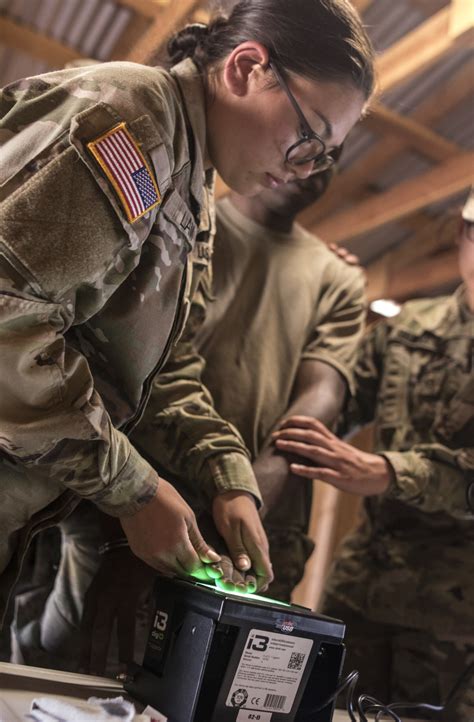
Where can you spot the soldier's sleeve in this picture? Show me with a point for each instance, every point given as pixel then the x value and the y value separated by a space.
pixel 434 478
pixel 368 370
pixel 53 423
pixel 181 431
pixel 336 334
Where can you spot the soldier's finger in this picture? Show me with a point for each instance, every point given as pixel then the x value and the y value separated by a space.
pixel 261 563
pixel 317 454
pixel 307 436
pixel 330 476
pixel 309 472
pixel 237 549
pixel 251 582
pixel 307 422
pixel 204 550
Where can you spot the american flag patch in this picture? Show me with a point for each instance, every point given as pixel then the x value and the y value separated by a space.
pixel 126 168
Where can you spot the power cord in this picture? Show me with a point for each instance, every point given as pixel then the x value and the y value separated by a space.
pixel 365 704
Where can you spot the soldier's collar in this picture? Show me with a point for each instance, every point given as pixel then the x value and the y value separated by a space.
pixel 191 86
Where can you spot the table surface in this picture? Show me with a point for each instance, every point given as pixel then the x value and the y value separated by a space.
pixel 19 685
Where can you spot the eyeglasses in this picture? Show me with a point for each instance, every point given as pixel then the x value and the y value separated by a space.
pixel 310 147
pixel 468 229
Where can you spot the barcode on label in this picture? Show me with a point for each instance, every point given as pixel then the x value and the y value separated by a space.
pixel 275 701
pixel 296 660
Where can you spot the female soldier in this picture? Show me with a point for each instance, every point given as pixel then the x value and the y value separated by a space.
pixel 106 202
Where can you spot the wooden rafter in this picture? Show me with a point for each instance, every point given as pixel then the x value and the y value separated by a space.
pixel 461 18
pixel 147 8
pixel 417 279
pixel 441 182
pixel 20 37
pixel 162 27
pixel 135 29
pixel 416 135
pixel 440 34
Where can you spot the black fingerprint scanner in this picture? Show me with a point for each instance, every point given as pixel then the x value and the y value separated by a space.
pixel 214 656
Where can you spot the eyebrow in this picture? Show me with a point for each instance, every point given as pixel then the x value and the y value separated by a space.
pixel 327 125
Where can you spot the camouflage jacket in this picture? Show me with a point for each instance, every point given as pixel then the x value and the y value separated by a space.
pixel 411 562
pixel 94 288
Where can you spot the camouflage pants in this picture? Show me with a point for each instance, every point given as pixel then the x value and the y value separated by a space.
pixel 47 615
pixel 402 664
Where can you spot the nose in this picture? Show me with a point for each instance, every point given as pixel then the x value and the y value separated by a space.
pixel 303 171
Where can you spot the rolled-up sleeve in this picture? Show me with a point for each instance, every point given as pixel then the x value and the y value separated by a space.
pixel 434 478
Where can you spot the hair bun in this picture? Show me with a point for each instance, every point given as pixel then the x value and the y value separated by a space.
pixel 186 42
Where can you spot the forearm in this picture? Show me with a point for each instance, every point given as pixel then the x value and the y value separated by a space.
pixel 182 433
pixel 318 393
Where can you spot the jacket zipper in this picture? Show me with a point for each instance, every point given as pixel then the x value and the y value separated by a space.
pixel 129 425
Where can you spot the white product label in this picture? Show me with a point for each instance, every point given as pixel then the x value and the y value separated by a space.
pixel 245 715
pixel 269 672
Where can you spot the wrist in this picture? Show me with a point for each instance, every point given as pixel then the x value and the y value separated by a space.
pixel 382 472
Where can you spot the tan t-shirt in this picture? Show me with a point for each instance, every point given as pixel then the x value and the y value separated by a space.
pixel 279 298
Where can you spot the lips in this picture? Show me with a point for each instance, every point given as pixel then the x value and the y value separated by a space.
pixel 273 181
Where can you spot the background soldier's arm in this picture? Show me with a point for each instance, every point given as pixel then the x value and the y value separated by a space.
pixel 434 478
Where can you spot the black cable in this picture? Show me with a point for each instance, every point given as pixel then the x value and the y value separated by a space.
pixel 366 704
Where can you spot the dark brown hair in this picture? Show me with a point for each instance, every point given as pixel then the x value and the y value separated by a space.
pixel 320 39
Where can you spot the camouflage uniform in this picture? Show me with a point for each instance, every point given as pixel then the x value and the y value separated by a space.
pixel 92 299
pixel 280 299
pixel 404 580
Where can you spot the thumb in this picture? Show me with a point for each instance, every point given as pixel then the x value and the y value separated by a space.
pixel 204 551
pixel 237 549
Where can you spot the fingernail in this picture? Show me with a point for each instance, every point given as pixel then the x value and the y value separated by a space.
pixel 213 555
pixel 243 562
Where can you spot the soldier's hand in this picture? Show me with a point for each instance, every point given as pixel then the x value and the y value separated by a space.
pixel 328 458
pixel 164 533
pixel 117 591
pixel 237 521
pixel 350 258
pixel 232 579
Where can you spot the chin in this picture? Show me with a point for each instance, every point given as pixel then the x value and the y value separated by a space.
pixel 244 186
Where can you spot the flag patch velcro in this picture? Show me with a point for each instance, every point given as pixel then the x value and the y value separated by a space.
pixel 122 161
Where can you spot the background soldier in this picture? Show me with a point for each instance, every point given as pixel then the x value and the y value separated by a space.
pixel 404 580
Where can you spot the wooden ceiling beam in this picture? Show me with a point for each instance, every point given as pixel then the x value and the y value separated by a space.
pixel 164 24
pixel 20 37
pixel 135 29
pixel 351 184
pixel 416 135
pixel 440 34
pixel 147 8
pixel 421 278
pixel 437 184
pixel 461 19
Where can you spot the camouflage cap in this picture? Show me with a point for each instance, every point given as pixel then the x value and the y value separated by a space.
pixel 468 209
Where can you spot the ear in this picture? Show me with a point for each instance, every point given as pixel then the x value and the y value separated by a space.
pixel 245 64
